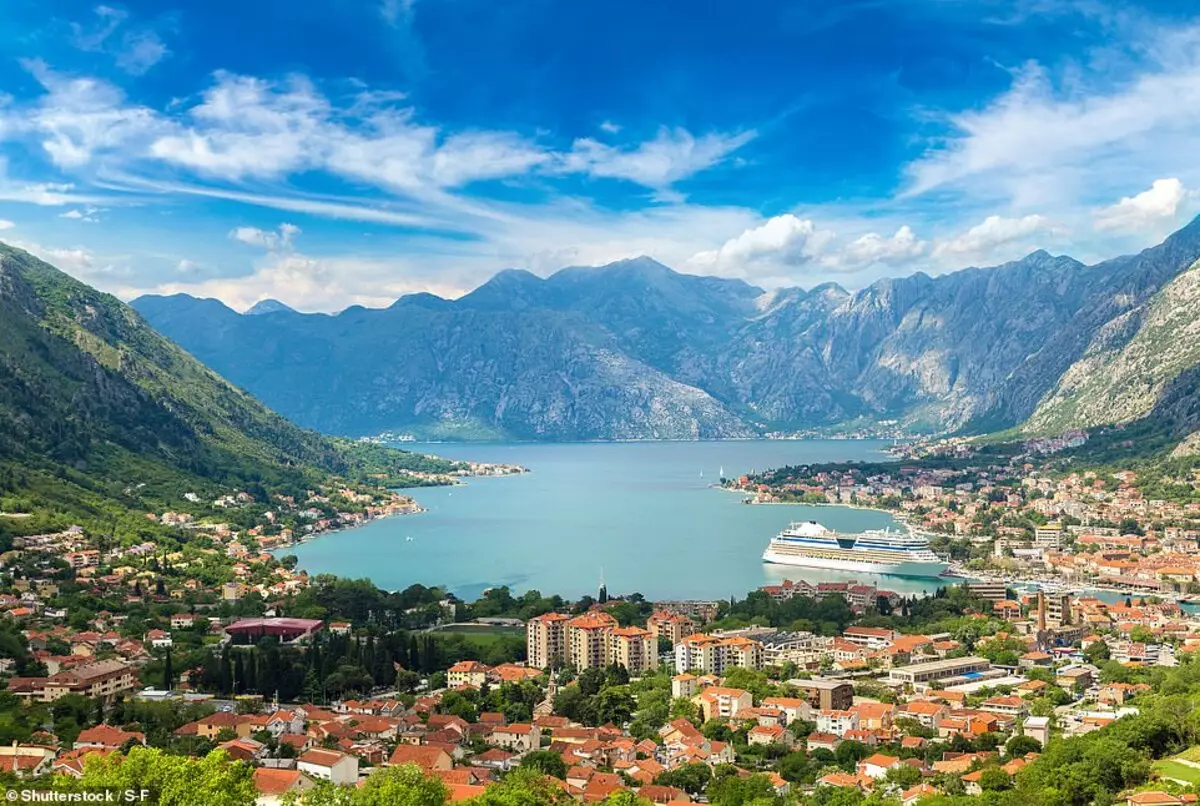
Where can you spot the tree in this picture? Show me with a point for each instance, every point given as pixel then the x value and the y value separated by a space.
pixel 994 779
pixel 1097 652
pixel 691 778
pixel 522 787
pixel 727 788
pixel 1019 746
pixel 406 785
pixel 167 780
pixel 849 753
pixel 547 762
pixel 904 776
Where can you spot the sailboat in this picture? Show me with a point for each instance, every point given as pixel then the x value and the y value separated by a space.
pixel 722 471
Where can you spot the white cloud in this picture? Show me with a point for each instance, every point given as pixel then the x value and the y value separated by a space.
pixel 395 11
pixel 1059 138
pixel 981 241
pixel 137 50
pixel 141 50
pixel 873 248
pixel 1147 209
pixel 80 118
pixel 673 154
pixel 610 127
pixel 781 242
pixel 282 238
pixel 80 262
pixel 88 214
pixel 186 266
pixel 309 283
pixel 92 39
pixel 5 224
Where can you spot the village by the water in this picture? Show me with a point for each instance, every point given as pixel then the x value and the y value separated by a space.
pixel 1068 598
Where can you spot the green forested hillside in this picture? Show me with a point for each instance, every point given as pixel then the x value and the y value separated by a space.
pixel 99 412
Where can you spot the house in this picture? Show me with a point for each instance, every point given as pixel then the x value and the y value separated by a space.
pixel 184 621
pixel 159 639
pixel 467 673
pixel 877 766
pixel 518 737
pixel 1005 706
pixel 684 685
pixel 1153 798
pixel 769 734
pixel 922 790
pixel 273 785
pixel 106 737
pixel 793 708
pixel 329 765
pixel 247 750
pixel 26 761
pixel 824 741
pixel 495 759
pixel 425 757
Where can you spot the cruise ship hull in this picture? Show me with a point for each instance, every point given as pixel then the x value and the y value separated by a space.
pixel 898 569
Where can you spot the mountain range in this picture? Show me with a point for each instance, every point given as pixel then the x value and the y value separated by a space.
pixel 637 350
pixel 101 412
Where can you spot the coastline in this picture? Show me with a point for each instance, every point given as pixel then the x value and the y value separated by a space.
pixel 477 470
pixel 899 517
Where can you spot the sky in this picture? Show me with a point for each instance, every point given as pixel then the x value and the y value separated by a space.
pixel 332 154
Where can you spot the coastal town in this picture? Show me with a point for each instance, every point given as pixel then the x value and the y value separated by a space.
pixel 1017 522
pixel 1073 608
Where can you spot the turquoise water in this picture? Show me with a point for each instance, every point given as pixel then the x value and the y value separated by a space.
pixel 640 514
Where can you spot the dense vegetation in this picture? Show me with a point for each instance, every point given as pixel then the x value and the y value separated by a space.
pixel 104 416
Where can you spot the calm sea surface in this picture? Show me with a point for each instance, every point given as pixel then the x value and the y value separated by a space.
pixel 642 515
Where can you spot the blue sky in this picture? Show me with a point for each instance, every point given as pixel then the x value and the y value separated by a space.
pixel 333 154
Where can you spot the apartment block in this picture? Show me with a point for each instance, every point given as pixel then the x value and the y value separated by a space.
pixel 713 654
pixel 545 640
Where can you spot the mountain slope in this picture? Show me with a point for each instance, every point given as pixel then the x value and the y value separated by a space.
pixel 635 349
pixel 94 400
pixel 545 374
pixel 1132 365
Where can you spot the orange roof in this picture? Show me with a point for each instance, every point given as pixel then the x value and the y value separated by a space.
pixel 274 782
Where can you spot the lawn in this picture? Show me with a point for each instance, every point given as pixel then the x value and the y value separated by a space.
pixel 1191 754
pixel 1170 768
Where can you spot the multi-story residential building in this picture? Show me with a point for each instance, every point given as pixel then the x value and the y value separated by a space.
pixel 702 612
pixel 672 626
pixel 721 703
pixel 836 722
pixel 713 653
pixel 634 648
pixel 101 679
pixel 545 640
pixel 826 695
pixel 991 591
pixel 587 640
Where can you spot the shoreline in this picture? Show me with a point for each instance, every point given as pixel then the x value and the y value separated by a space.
pixel 901 518
pixel 452 481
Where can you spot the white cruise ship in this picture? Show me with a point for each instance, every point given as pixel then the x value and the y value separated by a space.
pixel 811 545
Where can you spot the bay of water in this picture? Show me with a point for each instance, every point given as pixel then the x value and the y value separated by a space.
pixel 640 515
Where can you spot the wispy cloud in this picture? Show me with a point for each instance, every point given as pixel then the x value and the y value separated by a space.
pixel 1061 135
pixel 135 51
